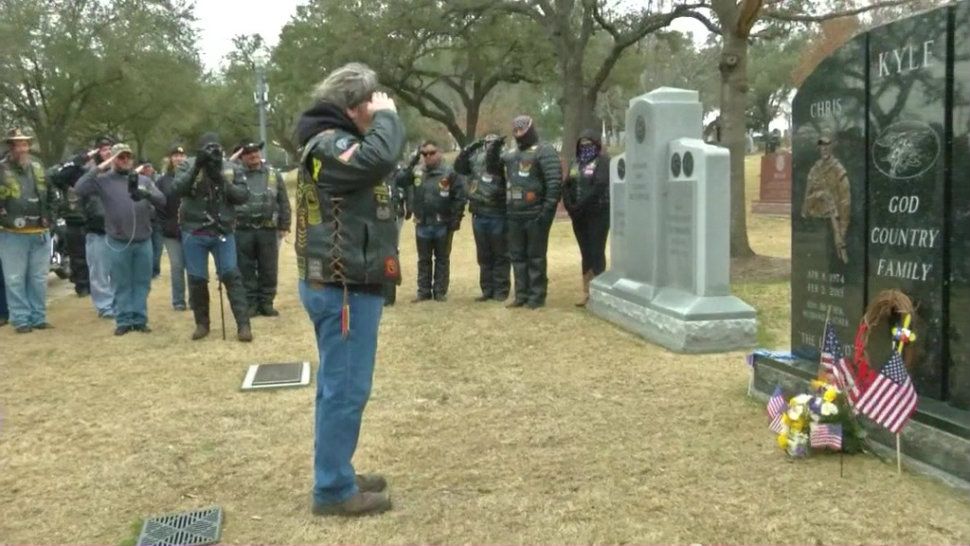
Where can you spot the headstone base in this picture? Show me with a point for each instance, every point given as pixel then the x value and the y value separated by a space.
pixel 674 319
pixel 771 207
pixel 936 441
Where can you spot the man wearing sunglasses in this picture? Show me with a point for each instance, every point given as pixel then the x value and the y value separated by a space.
pixel 437 205
pixel 261 222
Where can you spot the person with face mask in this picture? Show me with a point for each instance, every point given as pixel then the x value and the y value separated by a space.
pixel 533 175
pixel 168 218
pixel 260 224
pixel 128 198
pixel 211 188
pixel 25 242
pixel 586 196
pixel 345 233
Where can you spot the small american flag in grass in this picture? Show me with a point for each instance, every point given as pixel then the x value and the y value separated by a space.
pixel 826 435
pixel 776 404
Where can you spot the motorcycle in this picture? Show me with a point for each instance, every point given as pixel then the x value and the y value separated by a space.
pixel 60 262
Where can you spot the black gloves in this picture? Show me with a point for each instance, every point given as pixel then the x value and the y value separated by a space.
pixel 493 156
pixel 463 161
pixel 414 159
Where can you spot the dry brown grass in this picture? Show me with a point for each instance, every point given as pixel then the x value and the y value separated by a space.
pixel 492 425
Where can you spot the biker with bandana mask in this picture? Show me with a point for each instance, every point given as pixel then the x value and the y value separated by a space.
pixel 586 196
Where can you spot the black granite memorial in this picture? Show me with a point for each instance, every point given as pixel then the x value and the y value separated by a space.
pixel 881 200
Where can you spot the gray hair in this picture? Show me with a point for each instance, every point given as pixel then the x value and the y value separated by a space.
pixel 347 86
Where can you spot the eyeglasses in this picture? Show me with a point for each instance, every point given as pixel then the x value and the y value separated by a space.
pixel 429 153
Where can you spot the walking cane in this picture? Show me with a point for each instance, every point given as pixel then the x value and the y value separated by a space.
pixel 222 306
pixel 222 311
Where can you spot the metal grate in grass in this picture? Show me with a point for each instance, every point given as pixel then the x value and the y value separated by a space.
pixel 191 528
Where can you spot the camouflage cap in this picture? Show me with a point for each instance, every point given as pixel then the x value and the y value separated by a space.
pixel 18 134
pixel 120 148
pixel 176 149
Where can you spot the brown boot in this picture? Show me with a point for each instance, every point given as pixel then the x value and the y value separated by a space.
pixel 361 504
pixel 587 277
pixel 371 483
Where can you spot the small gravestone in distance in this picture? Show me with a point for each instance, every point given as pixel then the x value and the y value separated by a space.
pixel 669 279
pixel 774 196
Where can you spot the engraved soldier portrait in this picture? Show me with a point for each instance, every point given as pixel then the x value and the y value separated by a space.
pixel 828 196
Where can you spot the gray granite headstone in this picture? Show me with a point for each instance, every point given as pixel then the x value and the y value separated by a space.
pixel 670 192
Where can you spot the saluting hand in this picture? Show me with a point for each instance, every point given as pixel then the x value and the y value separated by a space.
pixel 380 101
pixel 106 164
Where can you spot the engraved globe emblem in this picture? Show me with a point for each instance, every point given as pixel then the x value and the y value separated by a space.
pixel 906 149
pixel 641 129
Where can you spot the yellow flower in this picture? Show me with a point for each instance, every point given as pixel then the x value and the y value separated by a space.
pixel 817 384
pixel 830 395
pixel 783 441
pixel 797 426
pixel 785 419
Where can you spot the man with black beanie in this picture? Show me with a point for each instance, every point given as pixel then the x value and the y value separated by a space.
pixel 533 175
pixel 211 188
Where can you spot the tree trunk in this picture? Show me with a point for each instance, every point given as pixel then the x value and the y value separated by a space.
pixel 734 87
pixel 577 110
pixel 472 113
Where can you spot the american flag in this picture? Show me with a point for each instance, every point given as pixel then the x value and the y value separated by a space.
pixel 835 362
pixel 891 399
pixel 776 404
pixel 776 425
pixel 826 435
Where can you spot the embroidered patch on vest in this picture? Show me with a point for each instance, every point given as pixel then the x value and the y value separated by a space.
pixel 530 197
pixel 391 270
pixel 346 156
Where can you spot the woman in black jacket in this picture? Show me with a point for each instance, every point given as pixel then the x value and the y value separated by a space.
pixel 586 196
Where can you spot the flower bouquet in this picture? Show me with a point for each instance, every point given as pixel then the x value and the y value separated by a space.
pixel 814 422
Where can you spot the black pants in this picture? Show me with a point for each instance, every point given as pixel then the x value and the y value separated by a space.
pixel 74 244
pixel 591 227
pixel 258 251
pixel 433 241
pixel 528 242
pixel 491 243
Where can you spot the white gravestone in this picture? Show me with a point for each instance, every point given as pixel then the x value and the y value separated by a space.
pixel 669 279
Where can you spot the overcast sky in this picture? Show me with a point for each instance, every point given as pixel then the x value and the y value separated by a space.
pixel 219 21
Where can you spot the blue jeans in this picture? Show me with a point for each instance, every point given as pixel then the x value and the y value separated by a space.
pixel 131 276
pixel 343 384
pixel 99 274
pixel 196 249
pixel 4 312
pixel 156 251
pixel 26 261
pixel 176 260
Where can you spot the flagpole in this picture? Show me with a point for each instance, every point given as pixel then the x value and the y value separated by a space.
pixel 821 345
pixel 899 460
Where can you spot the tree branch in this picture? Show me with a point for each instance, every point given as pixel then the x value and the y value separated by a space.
pixel 790 16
